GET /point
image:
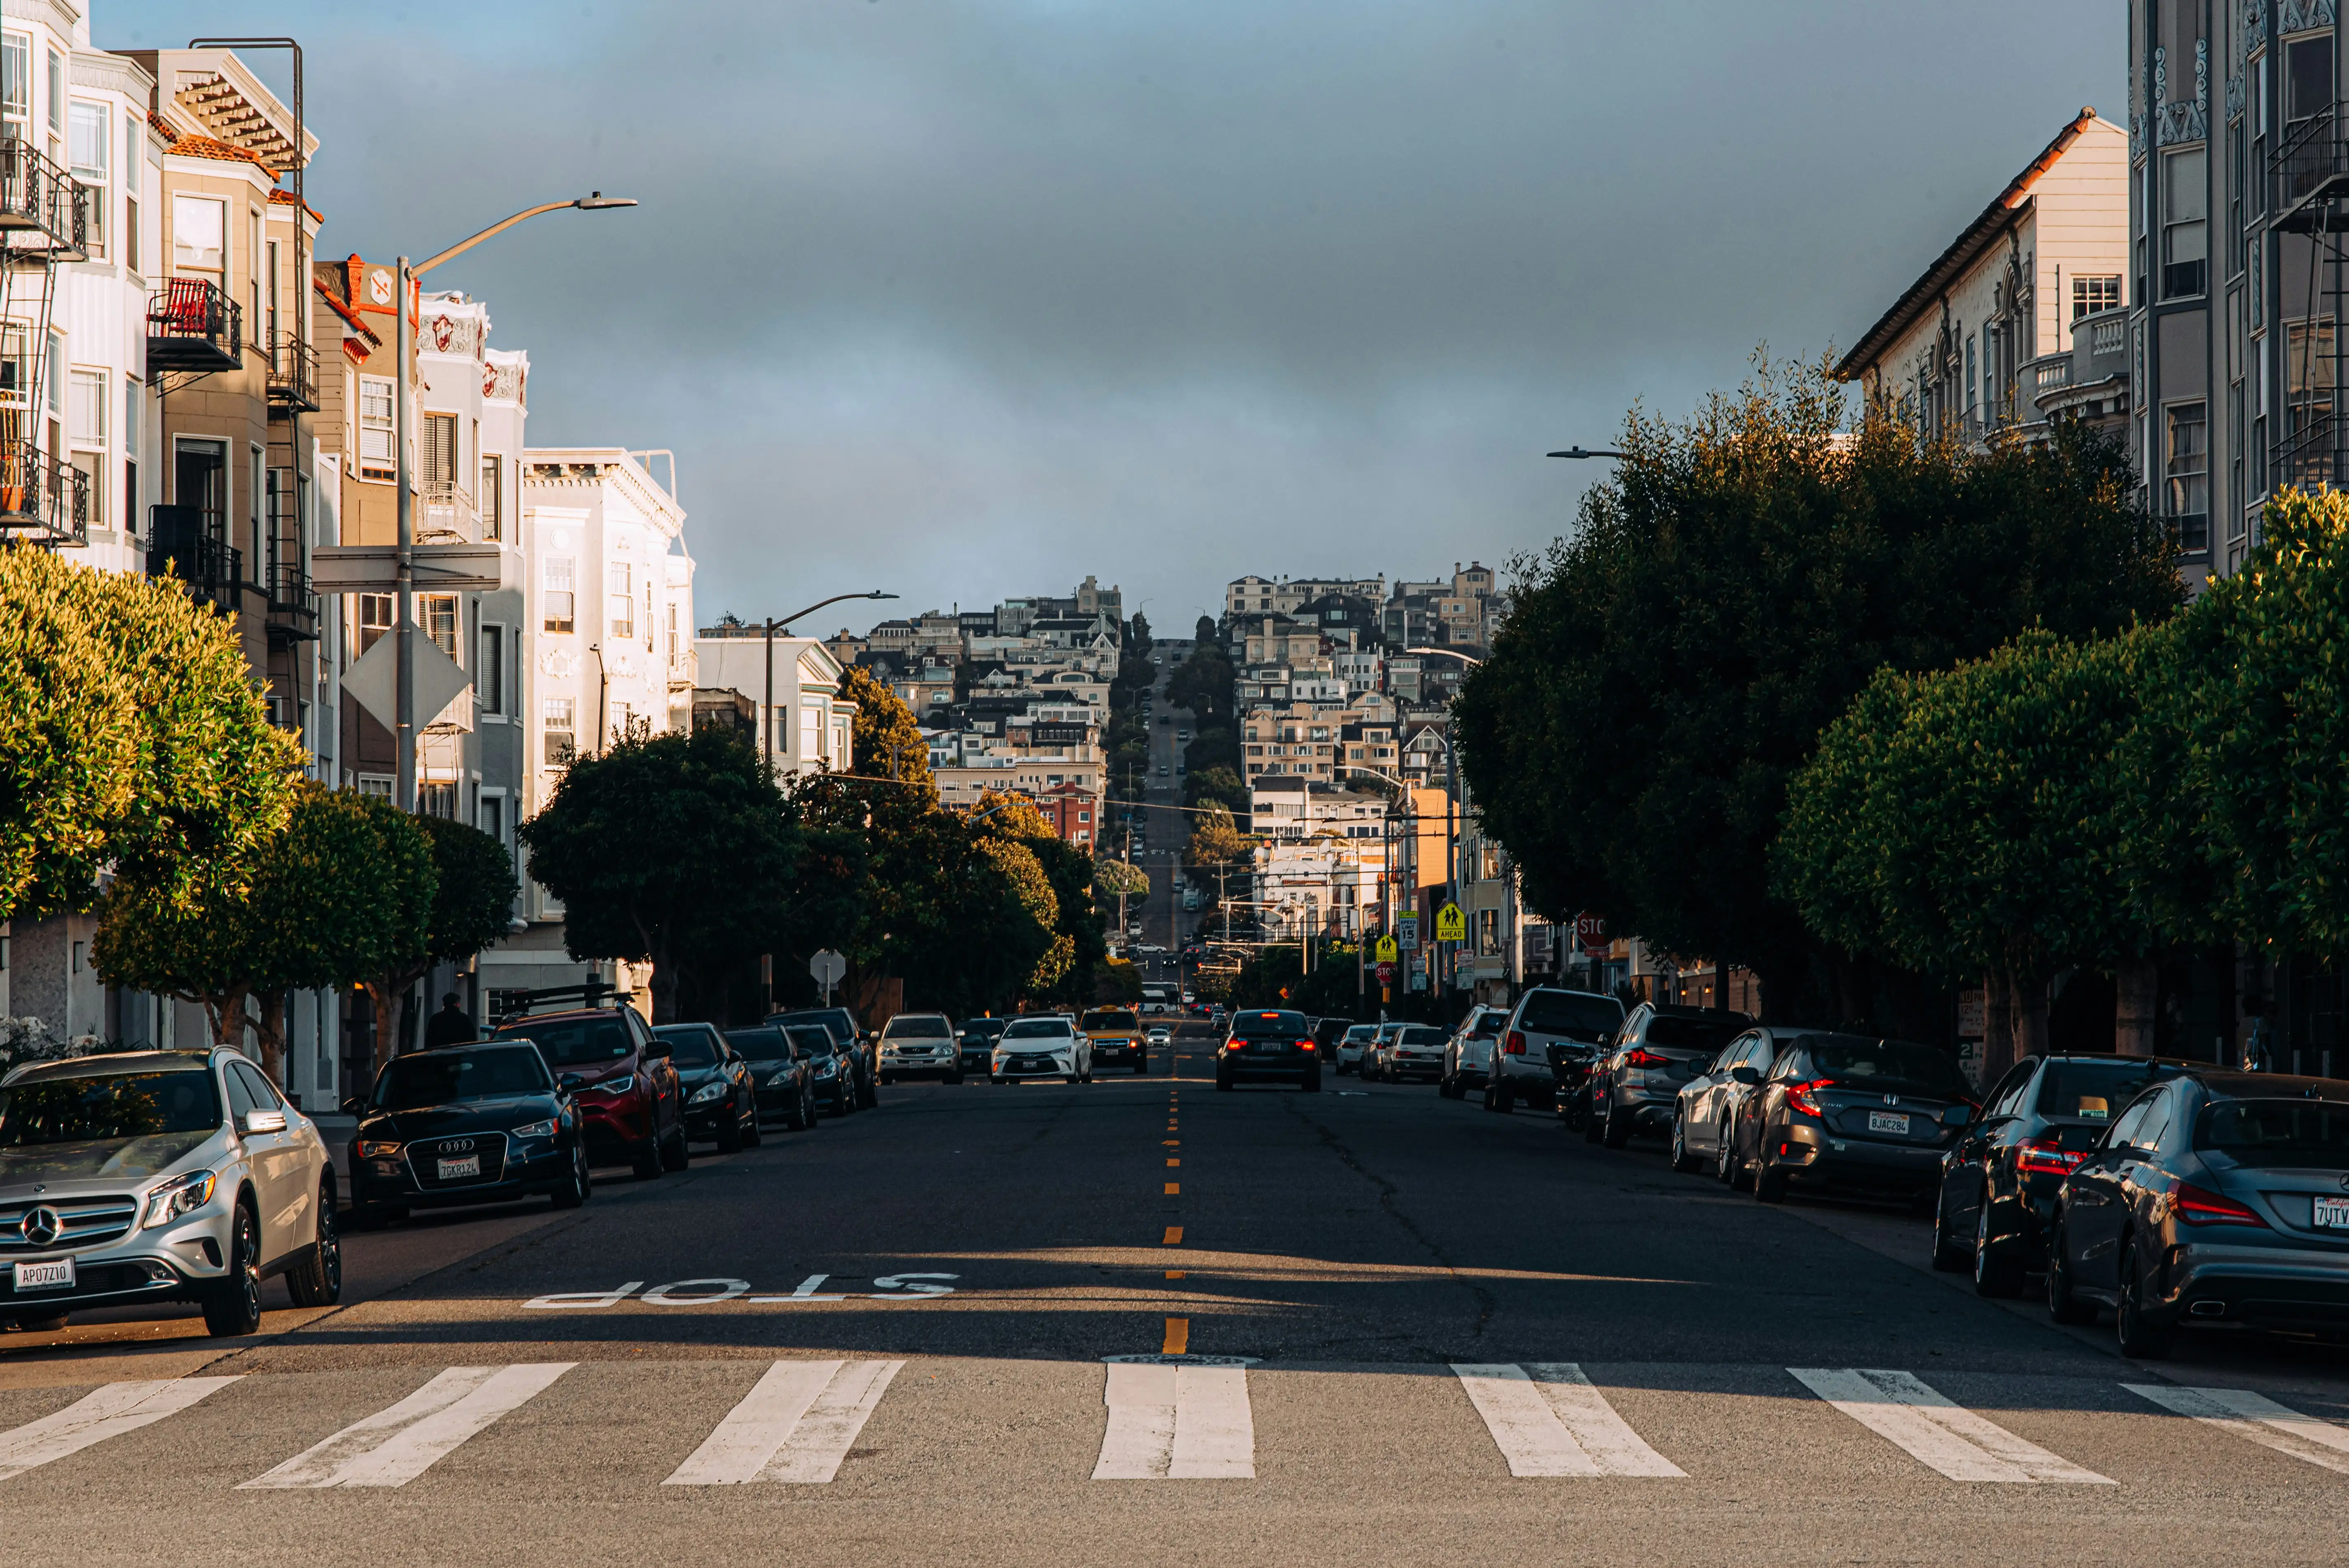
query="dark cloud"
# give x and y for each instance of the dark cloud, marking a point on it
(966, 299)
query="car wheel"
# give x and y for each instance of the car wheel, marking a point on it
(751, 1136)
(1682, 1162)
(1723, 1168)
(233, 1307)
(868, 1096)
(2063, 1305)
(889, 1077)
(808, 1114)
(1948, 1256)
(1505, 1094)
(317, 1281)
(2139, 1336)
(1140, 1067)
(953, 1076)
(1769, 1184)
(647, 1162)
(1997, 1272)
(1594, 1127)
(574, 1192)
(1616, 1131)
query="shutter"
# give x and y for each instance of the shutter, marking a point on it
(440, 450)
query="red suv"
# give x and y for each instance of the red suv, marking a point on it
(617, 1073)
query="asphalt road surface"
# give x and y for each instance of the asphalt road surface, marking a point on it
(1361, 1326)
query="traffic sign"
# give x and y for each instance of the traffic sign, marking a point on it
(1590, 932)
(826, 967)
(1386, 952)
(1386, 974)
(1450, 926)
(1407, 931)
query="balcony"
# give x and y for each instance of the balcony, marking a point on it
(192, 327)
(41, 497)
(180, 546)
(42, 201)
(293, 374)
(2089, 380)
(292, 615)
(2312, 454)
(2311, 175)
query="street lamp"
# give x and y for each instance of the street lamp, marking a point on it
(404, 585)
(1589, 452)
(767, 715)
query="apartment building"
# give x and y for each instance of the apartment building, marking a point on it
(1286, 596)
(795, 701)
(1293, 806)
(1301, 738)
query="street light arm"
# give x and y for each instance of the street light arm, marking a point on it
(782, 622)
(1589, 452)
(599, 200)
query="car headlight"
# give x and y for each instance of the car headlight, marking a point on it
(180, 1195)
(826, 1067)
(535, 1129)
(620, 1085)
(377, 1149)
(778, 1079)
(708, 1092)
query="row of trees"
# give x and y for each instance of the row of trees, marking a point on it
(1667, 671)
(2090, 803)
(683, 849)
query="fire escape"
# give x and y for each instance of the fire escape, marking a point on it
(2311, 197)
(43, 216)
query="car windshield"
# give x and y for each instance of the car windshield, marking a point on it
(1362, 1032)
(1037, 1029)
(689, 1047)
(1111, 1018)
(1269, 1025)
(760, 1045)
(107, 1104)
(982, 1029)
(2090, 1091)
(814, 1040)
(573, 1042)
(445, 1078)
(836, 1019)
(1693, 1034)
(918, 1026)
(2295, 1132)
(1861, 1063)
(1575, 1015)
(1420, 1034)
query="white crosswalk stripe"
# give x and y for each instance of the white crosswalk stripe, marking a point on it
(1548, 1421)
(2255, 1418)
(796, 1424)
(1904, 1409)
(102, 1413)
(394, 1446)
(1177, 1422)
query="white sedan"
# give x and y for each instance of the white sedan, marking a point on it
(1042, 1046)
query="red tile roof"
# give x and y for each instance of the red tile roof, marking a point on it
(282, 197)
(209, 147)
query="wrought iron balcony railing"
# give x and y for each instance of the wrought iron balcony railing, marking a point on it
(292, 374)
(193, 325)
(2311, 174)
(42, 496)
(40, 200)
(2310, 453)
(180, 545)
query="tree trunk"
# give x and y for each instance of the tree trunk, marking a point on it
(270, 1031)
(1998, 1026)
(664, 979)
(2136, 995)
(383, 995)
(2031, 1032)
(228, 1018)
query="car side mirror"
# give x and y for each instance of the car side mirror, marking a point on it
(570, 1083)
(1745, 1075)
(265, 1122)
(353, 1106)
(656, 1050)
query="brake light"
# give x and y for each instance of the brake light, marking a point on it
(1233, 1044)
(1643, 1058)
(1304, 1045)
(2046, 1157)
(1516, 1045)
(1798, 1095)
(2198, 1207)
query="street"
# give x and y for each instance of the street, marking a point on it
(894, 1337)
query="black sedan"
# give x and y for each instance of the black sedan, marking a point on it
(2215, 1197)
(857, 1055)
(2001, 1178)
(721, 1098)
(785, 1077)
(975, 1038)
(1845, 1110)
(1272, 1045)
(831, 1068)
(464, 1124)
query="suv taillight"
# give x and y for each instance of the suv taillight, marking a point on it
(1643, 1058)
(2046, 1157)
(1517, 1043)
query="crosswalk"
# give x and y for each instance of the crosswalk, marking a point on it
(1183, 1418)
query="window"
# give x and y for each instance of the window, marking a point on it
(2091, 295)
(130, 416)
(493, 816)
(200, 233)
(85, 406)
(2185, 196)
(253, 270)
(811, 731)
(376, 456)
(134, 157)
(2187, 467)
(560, 746)
(493, 494)
(439, 453)
(87, 144)
(623, 603)
(555, 583)
(376, 784)
(2307, 78)
(490, 668)
(16, 85)
(374, 619)
(437, 613)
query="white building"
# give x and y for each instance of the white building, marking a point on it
(806, 723)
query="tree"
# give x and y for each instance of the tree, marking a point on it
(1215, 785)
(677, 848)
(888, 739)
(1732, 588)
(1078, 946)
(1120, 879)
(470, 906)
(131, 739)
(1203, 631)
(1215, 840)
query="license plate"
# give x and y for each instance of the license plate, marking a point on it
(1889, 1121)
(457, 1169)
(56, 1275)
(1270, 1046)
(2331, 1214)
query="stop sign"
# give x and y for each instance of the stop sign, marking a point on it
(1590, 931)
(1386, 974)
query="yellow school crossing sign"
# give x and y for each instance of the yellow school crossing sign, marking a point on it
(1387, 950)
(1450, 926)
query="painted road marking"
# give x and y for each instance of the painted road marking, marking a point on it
(1178, 1336)
(102, 1413)
(1174, 1236)
(1185, 1420)
(1902, 1408)
(796, 1425)
(1548, 1421)
(394, 1446)
(1171, 1164)
(1173, 1188)
(2256, 1419)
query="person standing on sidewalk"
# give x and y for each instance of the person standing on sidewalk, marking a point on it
(451, 1026)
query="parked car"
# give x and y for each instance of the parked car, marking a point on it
(465, 1124)
(159, 1176)
(1268, 1044)
(920, 1044)
(2001, 1178)
(1043, 1045)
(975, 1038)
(1468, 1054)
(1548, 1021)
(721, 1094)
(1412, 1050)
(628, 1097)
(1709, 1103)
(1327, 1033)
(1116, 1038)
(859, 1055)
(1848, 1111)
(1348, 1058)
(785, 1074)
(831, 1068)
(2215, 1197)
(1636, 1086)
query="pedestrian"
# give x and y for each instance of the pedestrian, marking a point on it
(451, 1026)
(2259, 1041)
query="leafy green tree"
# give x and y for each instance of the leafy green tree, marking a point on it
(470, 906)
(1120, 879)
(677, 848)
(1732, 588)
(1215, 785)
(886, 736)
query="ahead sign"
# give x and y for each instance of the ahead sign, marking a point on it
(1450, 926)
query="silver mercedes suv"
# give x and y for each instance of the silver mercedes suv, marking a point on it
(162, 1176)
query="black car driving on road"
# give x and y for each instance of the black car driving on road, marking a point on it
(721, 1098)
(1268, 1044)
(1851, 1112)
(465, 1124)
(785, 1074)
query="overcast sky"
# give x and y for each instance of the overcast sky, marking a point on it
(965, 298)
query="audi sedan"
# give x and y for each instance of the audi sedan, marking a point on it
(465, 1124)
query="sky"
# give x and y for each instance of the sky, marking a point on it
(960, 299)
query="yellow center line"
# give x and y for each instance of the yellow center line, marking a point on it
(1173, 1188)
(1171, 1163)
(1177, 1273)
(1174, 1236)
(1178, 1336)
